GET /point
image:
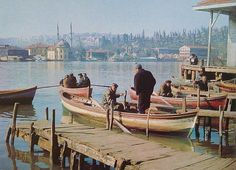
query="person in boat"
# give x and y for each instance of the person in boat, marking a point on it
(203, 83)
(193, 59)
(66, 82)
(144, 83)
(81, 79)
(72, 81)
(109, 99)
(86, 81)
(165, 89)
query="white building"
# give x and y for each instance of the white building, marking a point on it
(59, 52)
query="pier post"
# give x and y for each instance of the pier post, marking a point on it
(148, 117)
(185, 74)
(46, 113)
(184, 104)
(53, 151)
(204, 128)
(209, 129)
(226, 130)
(8, 134)
(198, 98)
(220, 130)
(111, 116)
(193, 75)
(80, 161)
(73, 160)
(32, 142)
(63, 154)
(13, 128)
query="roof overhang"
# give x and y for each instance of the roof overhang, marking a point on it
(225, 8)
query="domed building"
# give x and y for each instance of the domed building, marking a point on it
(59, 52)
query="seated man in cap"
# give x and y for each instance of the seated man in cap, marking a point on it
(165, 89)
(81, 79)
(109, 98)
(86, 82)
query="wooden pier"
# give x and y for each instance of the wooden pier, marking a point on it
(111, 149)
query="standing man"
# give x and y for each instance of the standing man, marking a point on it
(144, 83)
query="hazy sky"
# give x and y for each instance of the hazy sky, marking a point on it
(25, 18)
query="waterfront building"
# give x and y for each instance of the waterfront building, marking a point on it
(37, 49)
(226, 7)
(12, 53)
(185, 52)
(59, 52)
(97, 55)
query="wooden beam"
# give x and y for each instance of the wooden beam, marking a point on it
(32, 142)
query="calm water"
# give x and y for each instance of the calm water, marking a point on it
(22, 75)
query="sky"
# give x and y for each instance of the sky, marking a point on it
(26, 18)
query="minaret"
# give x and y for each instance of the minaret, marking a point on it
(58, 36)
(71, 34)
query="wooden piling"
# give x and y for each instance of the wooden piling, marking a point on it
(46, 113)
(147, 127)
(111, 116)
(32, 137)
(193, 75)
(53, 139)
(73, 160)
(198, 98)
(13, 128)
(209, 129)
(184, 105)
(80, 161)
(63, 154)
(204, 128)
(8, 134)
(220, 130)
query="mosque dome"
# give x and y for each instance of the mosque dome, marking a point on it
(63, 43)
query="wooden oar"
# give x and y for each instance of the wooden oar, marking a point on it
(98, 85)
(44, 87)
(122, 127)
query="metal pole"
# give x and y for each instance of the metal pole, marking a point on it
(209, 39)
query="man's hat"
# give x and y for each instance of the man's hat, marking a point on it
(80, 74)
(115, 85)
(138, 66)
(168, 81)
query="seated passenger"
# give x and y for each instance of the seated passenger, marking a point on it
(202, 84)
(165, 89)
(66, 82)
(109, 97)
(72, 81)
(81, 79)
(193, 59)
(86, 82)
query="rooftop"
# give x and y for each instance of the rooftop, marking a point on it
(225, 6)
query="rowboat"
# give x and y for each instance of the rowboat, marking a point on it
(185, 90)
(228, 86)
(22, 96)
(82, 92)
(212, 102)
(159, 121)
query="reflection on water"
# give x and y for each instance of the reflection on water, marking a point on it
(25, 112)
